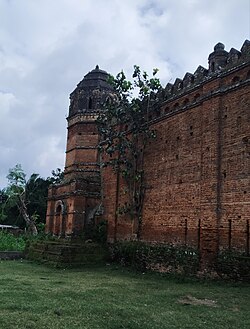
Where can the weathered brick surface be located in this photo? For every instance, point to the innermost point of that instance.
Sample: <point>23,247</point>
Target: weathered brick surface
<point>197,169</point>
<point>73,203</point>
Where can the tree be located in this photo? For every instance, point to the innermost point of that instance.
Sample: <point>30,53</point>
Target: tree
<point>17,195</point>
<point>57,176</point>
<point>36,196</point>
<point>3,199</point>
<point>125,132</point>
<point>28,196</point>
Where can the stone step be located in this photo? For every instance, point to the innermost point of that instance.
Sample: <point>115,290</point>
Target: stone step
<point>67,254</point>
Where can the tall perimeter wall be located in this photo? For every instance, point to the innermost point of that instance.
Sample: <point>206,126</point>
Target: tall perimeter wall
<point>198,168</point>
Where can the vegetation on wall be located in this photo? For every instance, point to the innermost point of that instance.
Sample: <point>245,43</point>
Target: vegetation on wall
<point>124,130</point>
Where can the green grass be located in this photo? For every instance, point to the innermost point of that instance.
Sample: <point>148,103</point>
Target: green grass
<point>35,296</point>
<point>8,242</point>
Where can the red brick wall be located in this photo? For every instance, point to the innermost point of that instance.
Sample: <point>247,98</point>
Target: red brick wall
<point>197,172</point>
<point>77,192</point>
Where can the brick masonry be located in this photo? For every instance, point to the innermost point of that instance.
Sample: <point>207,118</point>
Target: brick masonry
<point>197,169</point>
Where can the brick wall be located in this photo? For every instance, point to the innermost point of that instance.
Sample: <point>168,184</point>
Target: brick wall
<point>197,171</point>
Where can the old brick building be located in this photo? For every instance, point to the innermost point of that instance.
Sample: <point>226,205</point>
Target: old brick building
<point>197,171</point>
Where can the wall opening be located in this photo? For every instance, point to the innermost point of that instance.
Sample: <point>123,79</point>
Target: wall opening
<point>90,103</point>
<point>235,79</point>
<point>59,209</point>
<point>196,97</point>
<point>176,105</point>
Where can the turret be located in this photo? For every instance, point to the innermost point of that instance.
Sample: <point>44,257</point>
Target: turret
<point>90,93</point>
<point>217,59</point>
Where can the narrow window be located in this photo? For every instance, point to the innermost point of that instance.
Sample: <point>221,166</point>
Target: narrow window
<point>186,101</point>
<point>58,209</point>
<point>196,97</point>
<point>176,105</point>
<point>90,103</point>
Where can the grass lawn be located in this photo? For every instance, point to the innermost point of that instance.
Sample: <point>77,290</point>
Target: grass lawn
<point>35,296</point>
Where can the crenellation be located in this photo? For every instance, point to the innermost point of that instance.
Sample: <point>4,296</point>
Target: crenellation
<point>169,89</point>
<point>233,57</point>
<point>220,62</point>
<point>178,86</point>
<point>200,74</point>
<point>245,51</point>
<point>188,80</point>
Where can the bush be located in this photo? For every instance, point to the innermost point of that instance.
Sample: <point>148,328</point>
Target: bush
<point>160,257</point>
<point>234,265</point>
<point>100,232</point>
<point>9,242</point>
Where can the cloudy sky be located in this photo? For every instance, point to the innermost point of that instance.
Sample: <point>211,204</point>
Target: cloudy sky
<point>46,47</point>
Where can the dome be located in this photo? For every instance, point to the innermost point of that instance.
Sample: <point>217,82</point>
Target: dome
<point>90,93</point>
<point>219,46</point>
<point>94,79</point>
<point>217,60</point>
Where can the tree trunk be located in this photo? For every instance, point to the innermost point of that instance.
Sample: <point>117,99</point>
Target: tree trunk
<point>29,222</point>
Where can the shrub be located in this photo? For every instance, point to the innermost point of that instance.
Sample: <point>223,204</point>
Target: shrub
<point>234,265</point>
<point>161,257</point>
<point>9,242</point>
<point>100,232</point>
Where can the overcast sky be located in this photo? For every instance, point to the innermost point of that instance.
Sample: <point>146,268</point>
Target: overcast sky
<point>47,46</point>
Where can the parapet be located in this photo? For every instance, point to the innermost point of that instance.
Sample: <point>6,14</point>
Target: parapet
<point>219,61</point>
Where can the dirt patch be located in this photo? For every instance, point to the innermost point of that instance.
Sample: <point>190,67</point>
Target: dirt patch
<point>190,300</point>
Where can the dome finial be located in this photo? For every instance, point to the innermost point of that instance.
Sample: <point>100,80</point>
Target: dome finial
<point>219,46</point>
<point>97,67</point>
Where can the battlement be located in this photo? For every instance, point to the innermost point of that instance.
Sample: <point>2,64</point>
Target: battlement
<point>226,71</point>
<point>220,62</point>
